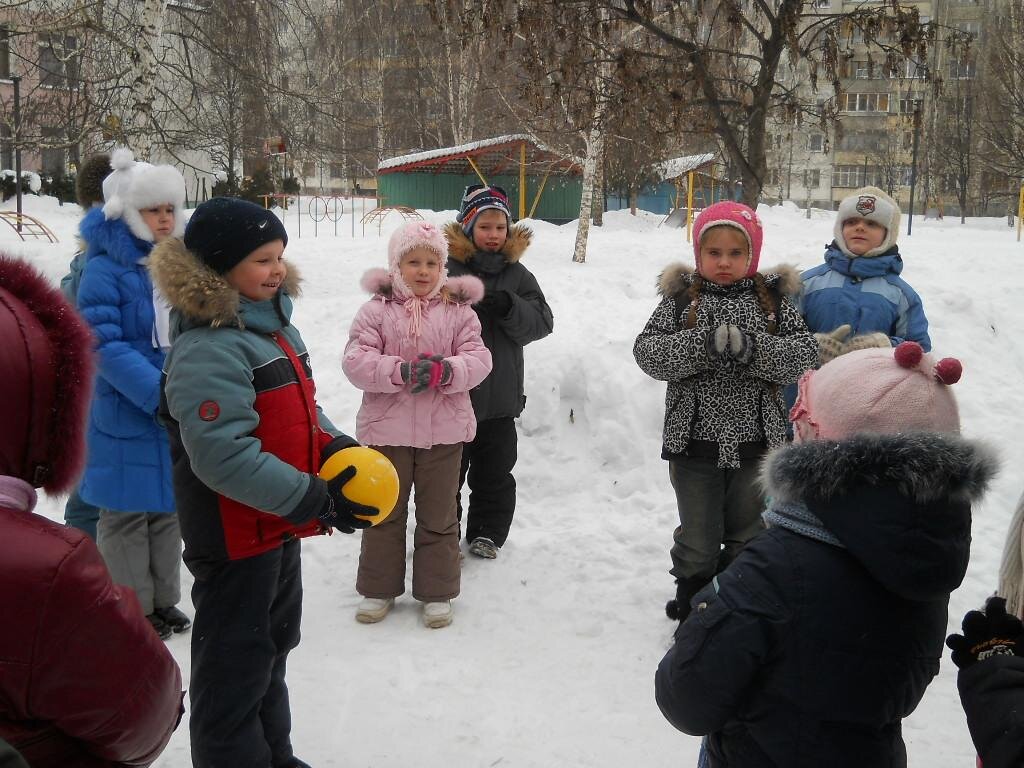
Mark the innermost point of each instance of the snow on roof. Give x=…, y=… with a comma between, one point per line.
x=461, y=149
x=677, y=166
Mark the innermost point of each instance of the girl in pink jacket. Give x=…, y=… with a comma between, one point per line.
x=415, y=351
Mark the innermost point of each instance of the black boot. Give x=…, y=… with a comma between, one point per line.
x=679, y=608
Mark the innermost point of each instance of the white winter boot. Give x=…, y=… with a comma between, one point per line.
x=437, y=615
x=373, y=609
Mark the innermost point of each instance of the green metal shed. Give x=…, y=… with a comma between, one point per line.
x=435, y=179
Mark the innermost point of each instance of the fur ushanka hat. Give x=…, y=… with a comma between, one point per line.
x=132, y=186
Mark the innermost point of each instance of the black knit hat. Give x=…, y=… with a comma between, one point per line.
x=224, y=230
x=89, y=181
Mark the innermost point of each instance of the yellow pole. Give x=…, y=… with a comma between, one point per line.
x=712, y=173
x=473, y=166
x=522, y=180
x=536, y=198
x=1020, y=210
x=689, y=206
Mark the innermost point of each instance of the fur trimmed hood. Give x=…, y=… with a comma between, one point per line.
x=456, y=290
x=197, y=291
x=676, y=279
x=901, y=504
x=461, y=248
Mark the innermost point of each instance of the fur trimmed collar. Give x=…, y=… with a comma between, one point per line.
x=924, y=467
x=197, y=291
x=461, y=248
x=676, y=279
x=456, y=290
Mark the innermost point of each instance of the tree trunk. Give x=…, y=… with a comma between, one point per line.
x=140, y=126
x=598, y=203
x=594, y=143
x=634, y=194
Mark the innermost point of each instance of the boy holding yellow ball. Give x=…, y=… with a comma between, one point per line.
x=247, y=440
x=415, y=350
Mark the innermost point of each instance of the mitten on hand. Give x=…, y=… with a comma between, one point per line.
x=429, y=372
x=717, y=342
x=993, y=632
x=339, y=443
x=496, y=302
x=830, y=345
x=405, y=369
x=339, y=512
x=741, y=345
x=866, y=341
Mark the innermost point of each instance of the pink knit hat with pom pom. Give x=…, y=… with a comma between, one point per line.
x=730, y=214
x=411, y=235
x=878, y=391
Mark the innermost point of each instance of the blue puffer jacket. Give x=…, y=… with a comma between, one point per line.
x=129, y=461
x=866, y=293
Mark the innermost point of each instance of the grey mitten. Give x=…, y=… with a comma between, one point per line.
x=717, y=342
x=830, y=345
x=877, y=340
x=741, y=345
x=429, y=372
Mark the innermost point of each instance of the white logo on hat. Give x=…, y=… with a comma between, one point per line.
x=262, y=224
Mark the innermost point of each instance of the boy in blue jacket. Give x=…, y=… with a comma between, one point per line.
x=857, y=299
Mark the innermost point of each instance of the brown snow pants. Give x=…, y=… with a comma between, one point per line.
x=434, y=472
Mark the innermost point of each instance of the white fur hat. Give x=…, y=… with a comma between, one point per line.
x=133, y=186
x=872, y=204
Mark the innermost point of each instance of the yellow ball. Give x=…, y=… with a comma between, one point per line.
x=375, y=483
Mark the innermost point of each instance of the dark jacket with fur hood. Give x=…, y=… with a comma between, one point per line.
x=719, y=400
x=238, y=400
x=528, y=318
x=803, y=653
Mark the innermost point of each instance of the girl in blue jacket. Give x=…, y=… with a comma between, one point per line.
x=128, y=470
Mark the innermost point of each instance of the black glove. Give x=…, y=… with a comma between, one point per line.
x=340, y=443
x=496, y=302
x=339, y=512
x=988, y=634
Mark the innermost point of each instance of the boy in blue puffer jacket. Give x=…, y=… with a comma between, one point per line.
x=857, y=299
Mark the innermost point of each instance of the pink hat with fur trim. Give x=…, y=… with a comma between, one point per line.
x=878, y=391
x=416, y=234
x=730, y=214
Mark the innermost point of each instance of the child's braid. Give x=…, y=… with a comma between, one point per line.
x=694, y=294
x=764, y=300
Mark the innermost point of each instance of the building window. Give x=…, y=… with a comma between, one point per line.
x=972, y=28
x=961, y=70
x=812, y=179
x=5, y=53
x=915, y=70
x=311, y=81
x=53, y=158
x=285, y=112
x=337, y=172
x=816, y=142
x=308, y=169
x=865, y=102
x=851, y=176
x=865, y=70
x=58, y=62
x=284, y=82
x=311, y=112
x=6, y=147
x=773, y=178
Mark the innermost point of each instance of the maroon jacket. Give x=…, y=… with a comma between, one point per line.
x=84, y=680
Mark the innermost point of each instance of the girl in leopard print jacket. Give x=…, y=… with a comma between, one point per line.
x=726, y=338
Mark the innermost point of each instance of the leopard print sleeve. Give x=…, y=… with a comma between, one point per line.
x=665, y=351
x=782, y=358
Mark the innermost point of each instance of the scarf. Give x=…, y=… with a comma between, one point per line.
x=16, y=494
x=796, y=517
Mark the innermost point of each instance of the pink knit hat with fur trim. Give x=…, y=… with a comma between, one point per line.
x=878, y=391
x=730, y=214
x=416, y=234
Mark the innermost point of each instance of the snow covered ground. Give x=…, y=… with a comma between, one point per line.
x=551, y=658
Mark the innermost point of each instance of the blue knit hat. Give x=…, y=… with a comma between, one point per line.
x=478, y=198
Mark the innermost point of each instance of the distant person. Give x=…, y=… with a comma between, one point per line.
x=128, y=466
x=725, y=337
x=415, y=351
x=811, y=648
x=483, y=242
x=89, y=194
x=84, y=679
x=248, y=440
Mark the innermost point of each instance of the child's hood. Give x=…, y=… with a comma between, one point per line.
x=197, y=291
x=458, y=290
x=677, y=278
x=112, y=237
x=900, y=504
x=461, y=248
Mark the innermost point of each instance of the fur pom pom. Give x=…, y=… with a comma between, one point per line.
x=908, y=354
x=121, y=158
x=948, y=370
x=466, y=289
x=376, y=281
